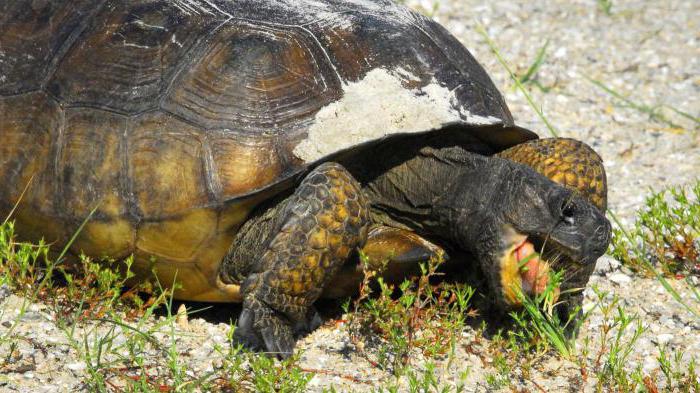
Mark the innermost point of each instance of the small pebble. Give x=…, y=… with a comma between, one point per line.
x=663, y=339
x=620, y=278
x=650, y=364
x=606, y=264
x=181, y=317
x=4, y=292
x=78, y=366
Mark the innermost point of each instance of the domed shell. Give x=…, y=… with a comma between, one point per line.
x=172, y=119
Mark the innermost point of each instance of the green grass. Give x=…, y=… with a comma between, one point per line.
x=552, y=130
x=614, y=371
x=605, y=6
x=679, y=376
x=530, y=75
x=424, y=381
x=538, y=324
x=663, y=241
x=655, y=112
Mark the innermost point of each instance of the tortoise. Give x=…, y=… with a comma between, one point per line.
x=246, y=151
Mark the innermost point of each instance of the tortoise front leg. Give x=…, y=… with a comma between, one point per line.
x=314, y=233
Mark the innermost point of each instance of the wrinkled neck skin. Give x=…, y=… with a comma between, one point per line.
x=439, y=190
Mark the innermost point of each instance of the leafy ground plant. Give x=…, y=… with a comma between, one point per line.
x=416, y=316
x=606, y=355
x=112, y=334
x=666, y=233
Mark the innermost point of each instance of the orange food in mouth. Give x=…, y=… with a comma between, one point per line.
x=534, y=272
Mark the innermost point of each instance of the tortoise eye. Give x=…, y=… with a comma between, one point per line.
x=568, y=212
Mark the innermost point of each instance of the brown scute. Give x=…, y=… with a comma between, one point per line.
x=125, y=58
x=243, y=163
x=349, y=53
x=254, y=78
x=90, y=164
x=566, y=161
x=28, y=135
x=29, y=142
x=167, y=166
x=32, y=35
x=91, y=175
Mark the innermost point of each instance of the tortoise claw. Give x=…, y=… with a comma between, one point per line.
x=278, y=338
x=309, y=324
x=245, y=333
x=260, y=328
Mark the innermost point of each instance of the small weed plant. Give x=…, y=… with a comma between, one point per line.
x=111, y=329
x=416, y=316
x=608, y=355
x=657, y=113
x=666, y=234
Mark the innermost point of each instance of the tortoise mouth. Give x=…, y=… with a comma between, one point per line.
x=523, y=270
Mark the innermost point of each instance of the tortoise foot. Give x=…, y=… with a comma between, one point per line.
x=260, y=328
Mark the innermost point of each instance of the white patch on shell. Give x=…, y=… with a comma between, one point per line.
x=379, y=105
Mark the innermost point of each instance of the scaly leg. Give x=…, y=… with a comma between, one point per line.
x=314, y=233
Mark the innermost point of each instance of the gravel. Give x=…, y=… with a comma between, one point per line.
x=646, y=50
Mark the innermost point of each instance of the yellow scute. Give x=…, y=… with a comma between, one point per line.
x=112, y=238
x=178, y=238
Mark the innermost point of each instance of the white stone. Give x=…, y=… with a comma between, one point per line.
x=606, y=264
x=620, y=278
x=650, y=364
x=78, y=366
x=664, y=338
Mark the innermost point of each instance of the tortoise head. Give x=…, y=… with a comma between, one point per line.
x=514, y=211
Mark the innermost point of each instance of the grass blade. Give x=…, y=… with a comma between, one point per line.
x=651, y=111
x=481, y=30
x=21, y=196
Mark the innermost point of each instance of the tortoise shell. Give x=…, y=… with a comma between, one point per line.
x=174, y=118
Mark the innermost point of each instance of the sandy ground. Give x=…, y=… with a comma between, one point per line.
x=645, y=50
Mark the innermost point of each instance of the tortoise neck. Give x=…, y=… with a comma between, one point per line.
x=420, y=193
